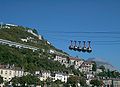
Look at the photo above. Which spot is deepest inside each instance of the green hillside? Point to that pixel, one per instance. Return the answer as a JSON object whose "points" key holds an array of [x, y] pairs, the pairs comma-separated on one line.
{"points": [[26, 58], [17, 33]]}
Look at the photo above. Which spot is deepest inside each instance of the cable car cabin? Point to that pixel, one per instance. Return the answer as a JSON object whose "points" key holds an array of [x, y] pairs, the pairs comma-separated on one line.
{"points": [[79, 47], [84, 49], [75, 46], [89, 50], [71, 46]]}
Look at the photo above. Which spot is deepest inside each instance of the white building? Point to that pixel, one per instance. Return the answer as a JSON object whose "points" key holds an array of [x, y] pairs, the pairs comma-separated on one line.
{"points": [[43, 75], [9, 72], [90, 76], [60, 76], [98, 70], [39, 36], [24, 40], [51, 51], [61, 59], [13, 25]]}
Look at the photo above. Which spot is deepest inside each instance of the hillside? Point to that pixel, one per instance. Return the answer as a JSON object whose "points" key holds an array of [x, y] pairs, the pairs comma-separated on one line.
{"points": [[20, 34], [29, 60]]}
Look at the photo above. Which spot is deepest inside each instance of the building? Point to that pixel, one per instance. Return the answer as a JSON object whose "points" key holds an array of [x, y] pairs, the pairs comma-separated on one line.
{"points": [[61, 59], [116, 82], [59, 76], [39, 36], [8, 72], [76, 62], [111, 82], [43, 75], [89, 76], [51, 51], [13, 25], [86, 67], [69, 61]]}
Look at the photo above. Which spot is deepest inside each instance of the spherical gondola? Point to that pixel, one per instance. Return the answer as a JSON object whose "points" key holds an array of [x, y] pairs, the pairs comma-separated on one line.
{"points": [[84, 49]]}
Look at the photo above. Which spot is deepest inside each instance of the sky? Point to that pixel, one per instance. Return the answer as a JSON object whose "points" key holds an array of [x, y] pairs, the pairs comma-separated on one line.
{"points": [[60, 21]]}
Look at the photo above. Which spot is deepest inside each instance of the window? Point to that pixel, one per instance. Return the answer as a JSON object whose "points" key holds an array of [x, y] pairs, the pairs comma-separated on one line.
{"points": [[10, 73], [5, 72], [1, 71]]}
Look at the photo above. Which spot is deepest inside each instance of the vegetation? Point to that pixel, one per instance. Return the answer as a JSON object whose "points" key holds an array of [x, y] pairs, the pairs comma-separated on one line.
{"points": [[94, 68], [1, 79], [25, 58], [17, 33], [95, 82], [26, 81], [102, 67], [74, 80], [109, 74]]}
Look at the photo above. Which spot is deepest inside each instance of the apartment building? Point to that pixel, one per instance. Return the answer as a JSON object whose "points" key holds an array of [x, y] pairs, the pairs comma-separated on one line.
{"points": [[8, 72]]}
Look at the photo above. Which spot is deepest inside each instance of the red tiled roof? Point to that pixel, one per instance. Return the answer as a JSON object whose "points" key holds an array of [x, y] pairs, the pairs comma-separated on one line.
{"points": [[71, 58]]}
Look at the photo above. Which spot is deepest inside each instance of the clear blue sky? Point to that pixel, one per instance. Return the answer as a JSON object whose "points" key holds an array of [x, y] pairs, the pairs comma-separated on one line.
{"points": [[70, 16]]}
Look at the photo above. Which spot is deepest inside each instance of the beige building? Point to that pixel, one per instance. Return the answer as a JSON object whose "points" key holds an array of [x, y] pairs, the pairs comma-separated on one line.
{"points": [[75, 61], [69, 61], [111, 82], [61, 59], [86, 67], [43, 75], [9, 72]]}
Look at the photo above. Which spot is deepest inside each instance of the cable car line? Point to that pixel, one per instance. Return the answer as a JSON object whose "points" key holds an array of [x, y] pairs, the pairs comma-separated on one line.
{"points": [[85, 32]]}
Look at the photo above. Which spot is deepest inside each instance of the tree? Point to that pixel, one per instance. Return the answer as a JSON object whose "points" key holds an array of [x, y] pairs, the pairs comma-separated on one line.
{"points": [[29, 80], [108, 73], [82, 81], [73, 80], [1, 79], [102, 67], [94, 68], [96, 82], [35, 31], [114, 74], [102, 74], [15, 81]]}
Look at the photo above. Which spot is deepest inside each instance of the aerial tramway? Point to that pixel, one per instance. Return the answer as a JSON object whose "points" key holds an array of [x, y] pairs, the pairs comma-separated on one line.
{"points": [[73, 46]]}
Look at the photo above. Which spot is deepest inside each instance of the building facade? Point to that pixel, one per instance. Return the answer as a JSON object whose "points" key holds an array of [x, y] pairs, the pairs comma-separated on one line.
{"points": [[9, 72]]}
